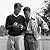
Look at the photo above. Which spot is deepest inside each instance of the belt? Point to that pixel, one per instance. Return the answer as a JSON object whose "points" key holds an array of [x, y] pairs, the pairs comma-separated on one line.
{"points": [[28, 34]]}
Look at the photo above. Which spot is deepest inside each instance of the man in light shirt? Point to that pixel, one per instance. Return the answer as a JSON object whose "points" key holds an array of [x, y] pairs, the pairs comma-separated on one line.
{"points": [[33, 29]]}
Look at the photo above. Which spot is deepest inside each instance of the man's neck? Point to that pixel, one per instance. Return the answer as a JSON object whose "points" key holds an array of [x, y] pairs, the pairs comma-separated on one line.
{"points": [[27, 19], [15, 13]]}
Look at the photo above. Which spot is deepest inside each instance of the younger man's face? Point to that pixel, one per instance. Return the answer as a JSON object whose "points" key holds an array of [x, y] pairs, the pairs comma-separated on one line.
{"points": [[18, 9]]}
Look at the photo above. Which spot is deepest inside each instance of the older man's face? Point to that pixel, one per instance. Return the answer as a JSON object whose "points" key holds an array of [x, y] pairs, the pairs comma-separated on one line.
{"points": [[27, 14]]}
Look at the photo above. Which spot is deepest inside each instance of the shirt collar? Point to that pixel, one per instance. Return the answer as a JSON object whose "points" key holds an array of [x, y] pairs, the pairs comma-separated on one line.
{"points": [[15, 15]]}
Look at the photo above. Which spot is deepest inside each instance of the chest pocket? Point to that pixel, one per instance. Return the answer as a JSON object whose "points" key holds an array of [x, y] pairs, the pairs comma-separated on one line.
{"points": [[34, 25]]}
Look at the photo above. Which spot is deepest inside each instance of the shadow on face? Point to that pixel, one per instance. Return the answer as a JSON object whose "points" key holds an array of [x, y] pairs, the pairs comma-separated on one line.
{"points": [[17, 10], [27, 14]]}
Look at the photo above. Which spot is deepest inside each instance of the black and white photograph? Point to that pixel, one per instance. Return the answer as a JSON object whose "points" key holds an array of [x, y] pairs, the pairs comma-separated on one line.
{"points": [[24, 24]]}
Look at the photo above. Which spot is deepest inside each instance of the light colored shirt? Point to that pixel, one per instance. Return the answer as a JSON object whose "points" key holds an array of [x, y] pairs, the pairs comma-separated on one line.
{"points": [[35, 23]]}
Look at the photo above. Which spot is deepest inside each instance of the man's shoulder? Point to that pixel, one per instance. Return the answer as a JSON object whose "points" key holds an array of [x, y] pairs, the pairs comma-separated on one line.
{"points": [[10, 16], [21, 16], [32, 18]]}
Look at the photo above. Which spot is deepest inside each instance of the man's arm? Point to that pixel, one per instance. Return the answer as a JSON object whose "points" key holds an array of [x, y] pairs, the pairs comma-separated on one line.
{"points": [[43, 24], [8, 23]]}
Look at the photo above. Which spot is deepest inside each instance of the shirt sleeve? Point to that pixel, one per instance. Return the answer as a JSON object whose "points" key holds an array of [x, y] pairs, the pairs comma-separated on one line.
{"points": [[43, 24], [8, 23]]}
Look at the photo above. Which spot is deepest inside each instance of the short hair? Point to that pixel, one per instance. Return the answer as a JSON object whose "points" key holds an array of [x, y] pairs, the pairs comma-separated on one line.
{"points": [[27, 9], [17, 4]]}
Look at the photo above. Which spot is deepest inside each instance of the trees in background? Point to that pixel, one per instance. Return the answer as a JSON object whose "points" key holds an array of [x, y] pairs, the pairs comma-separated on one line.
{"points": [[3, 31], [46, 15]]}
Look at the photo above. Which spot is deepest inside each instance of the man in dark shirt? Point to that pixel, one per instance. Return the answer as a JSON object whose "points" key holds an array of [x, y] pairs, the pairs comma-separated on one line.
{"points": [[16, 25]]}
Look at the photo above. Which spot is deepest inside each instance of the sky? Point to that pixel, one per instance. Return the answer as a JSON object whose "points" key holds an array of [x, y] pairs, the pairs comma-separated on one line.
{"points": [[7, 7]]}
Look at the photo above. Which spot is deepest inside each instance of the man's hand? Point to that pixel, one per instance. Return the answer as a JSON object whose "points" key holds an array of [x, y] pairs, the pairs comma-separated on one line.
{"points": [[17, 25]]}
